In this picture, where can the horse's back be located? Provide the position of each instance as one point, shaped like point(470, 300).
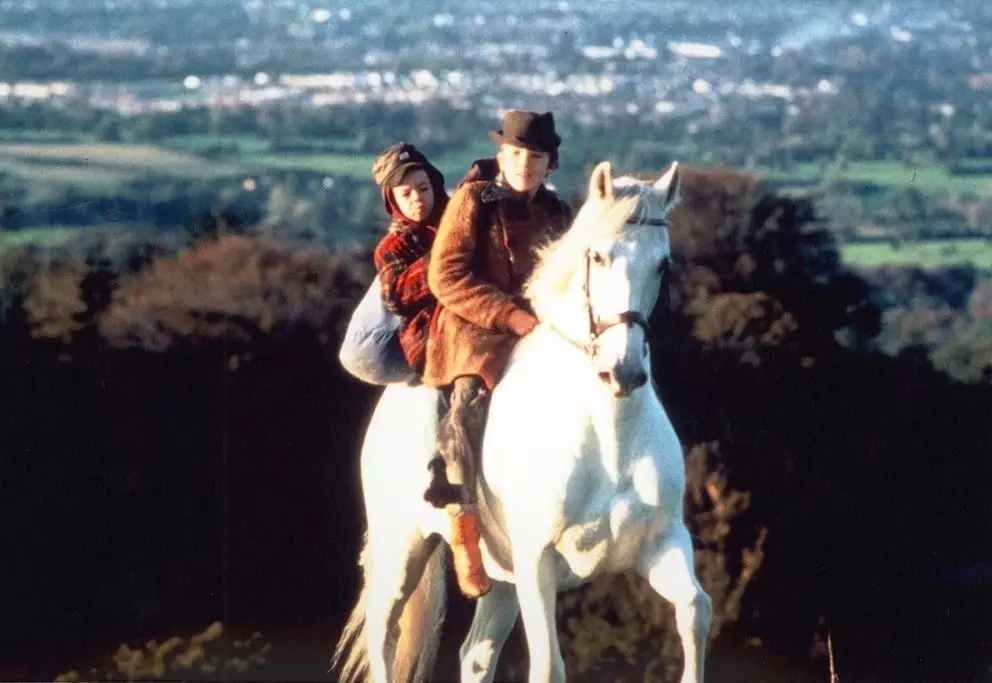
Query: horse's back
point(398, 443)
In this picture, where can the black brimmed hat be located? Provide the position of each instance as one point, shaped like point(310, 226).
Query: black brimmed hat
point(530, 130)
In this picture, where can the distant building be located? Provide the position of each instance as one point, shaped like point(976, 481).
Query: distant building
point(981, 81)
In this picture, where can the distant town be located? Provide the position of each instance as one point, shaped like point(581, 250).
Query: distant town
point(695, 61)
point(882, 110)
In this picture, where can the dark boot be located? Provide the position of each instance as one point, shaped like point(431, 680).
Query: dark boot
point(459, 434)
point(440, 492)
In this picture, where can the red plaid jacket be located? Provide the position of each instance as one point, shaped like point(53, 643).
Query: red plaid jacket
point(401, 259)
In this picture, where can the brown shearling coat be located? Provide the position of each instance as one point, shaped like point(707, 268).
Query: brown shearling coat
point(482, 256)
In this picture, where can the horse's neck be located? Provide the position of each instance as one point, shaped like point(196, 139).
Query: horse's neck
point(619, 427)
point(615, 425)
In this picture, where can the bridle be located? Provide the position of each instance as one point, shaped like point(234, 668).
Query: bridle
point(597, 326)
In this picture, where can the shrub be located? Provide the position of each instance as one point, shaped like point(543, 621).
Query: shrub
point(237, 288)
point(203, 654)
point(55, 310)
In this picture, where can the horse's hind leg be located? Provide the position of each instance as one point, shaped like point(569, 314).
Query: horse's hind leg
point(394, 573)
point(668, 567)
point(495, 614)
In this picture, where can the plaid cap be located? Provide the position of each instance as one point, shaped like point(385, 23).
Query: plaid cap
point(394, 162)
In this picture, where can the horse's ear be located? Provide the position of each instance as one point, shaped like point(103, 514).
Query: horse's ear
point(601, 182)
point(670, 184)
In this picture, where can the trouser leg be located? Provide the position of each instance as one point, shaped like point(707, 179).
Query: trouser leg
point(460, 434)
point(459, 444)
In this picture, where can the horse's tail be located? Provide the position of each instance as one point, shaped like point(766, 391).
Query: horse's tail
point(351, 654)
point(421, 621)
point(419, 627)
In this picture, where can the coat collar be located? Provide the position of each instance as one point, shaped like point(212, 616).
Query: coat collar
point(497, 189)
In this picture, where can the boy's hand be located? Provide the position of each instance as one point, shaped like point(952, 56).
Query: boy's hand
point(521, 322)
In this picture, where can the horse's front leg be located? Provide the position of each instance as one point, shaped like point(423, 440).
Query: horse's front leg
point(668, 566)
point(495, 614)
point(537, 592)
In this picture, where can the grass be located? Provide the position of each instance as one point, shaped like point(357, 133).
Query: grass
point(927, 254)
point(454, 164)
point(357, 166)
point(84, 176)
point(927, 179)
point(245, 144)
point(104, 152)
point(100, 167)
point(45, 237)
point(57, 236)
point(58, 162)
point(51, 136)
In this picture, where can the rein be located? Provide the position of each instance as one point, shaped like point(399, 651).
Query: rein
point(598, 326)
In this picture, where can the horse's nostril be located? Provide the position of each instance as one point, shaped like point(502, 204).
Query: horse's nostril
point(606, 377)
point(640, 379)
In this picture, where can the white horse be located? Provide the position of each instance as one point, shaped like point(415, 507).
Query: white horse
point(582, 472)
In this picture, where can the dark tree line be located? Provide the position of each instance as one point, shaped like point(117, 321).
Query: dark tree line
point(180, 443)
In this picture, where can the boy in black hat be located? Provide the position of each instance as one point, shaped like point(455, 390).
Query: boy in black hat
point(482, 256)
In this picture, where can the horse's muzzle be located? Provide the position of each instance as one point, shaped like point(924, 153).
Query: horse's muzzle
point(623, 383)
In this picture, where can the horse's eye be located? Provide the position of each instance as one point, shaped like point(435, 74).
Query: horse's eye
point(598, 259)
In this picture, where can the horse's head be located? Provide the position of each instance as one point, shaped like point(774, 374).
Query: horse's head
point(610, 267)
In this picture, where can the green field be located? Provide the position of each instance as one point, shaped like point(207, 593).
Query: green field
point(102, 167)
point(929, 254)
point(143, 156)
point(39, 157)
point(927, 179)
point(54, 236)
point(253, 153)
point(89, 176)
point(38, 237)
point(340, 164)
point(103, 164)
point(454, 164)
point(245, 144)
point(49, 136)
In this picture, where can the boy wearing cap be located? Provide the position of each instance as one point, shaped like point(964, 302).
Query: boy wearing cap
point(483, 254)
point(378, 347)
